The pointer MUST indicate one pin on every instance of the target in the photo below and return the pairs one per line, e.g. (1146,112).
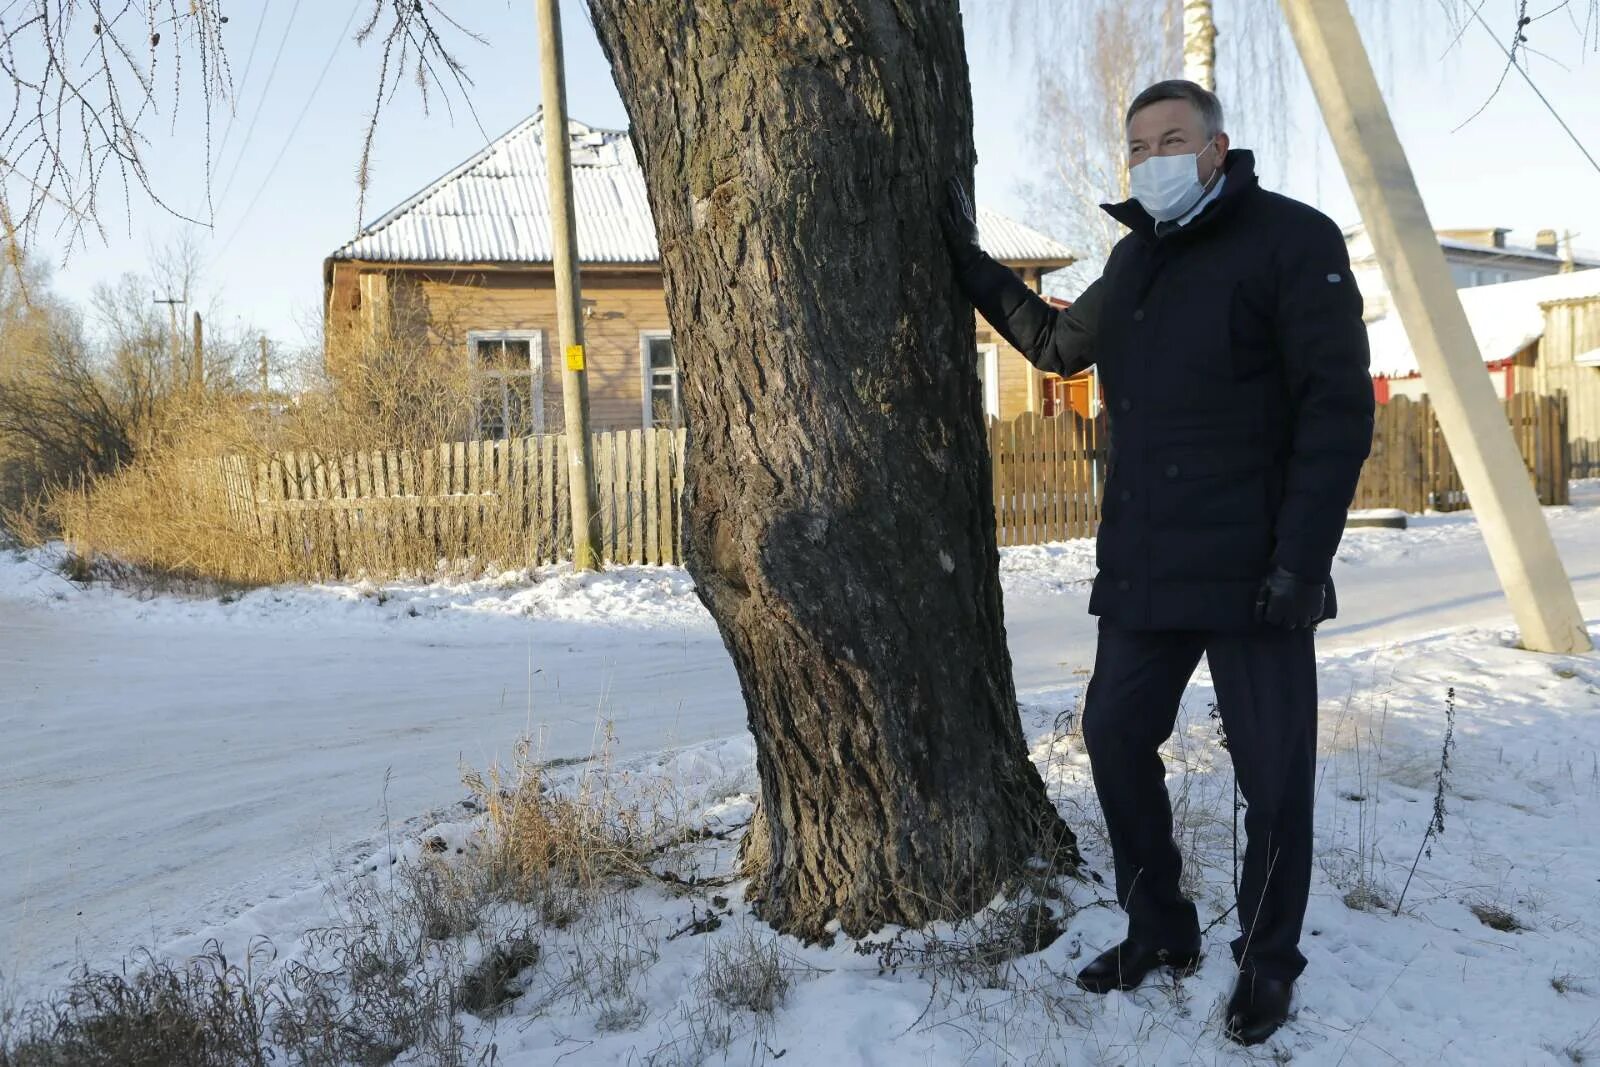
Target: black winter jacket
(1234,361)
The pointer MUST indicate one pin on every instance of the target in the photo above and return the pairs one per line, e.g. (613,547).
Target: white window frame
(988,355)
(646,378)
(536,365)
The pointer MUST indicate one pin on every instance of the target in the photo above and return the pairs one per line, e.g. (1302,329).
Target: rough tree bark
(838,519)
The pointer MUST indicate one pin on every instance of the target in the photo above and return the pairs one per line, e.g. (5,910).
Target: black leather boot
(1126,965)
(1259,1006)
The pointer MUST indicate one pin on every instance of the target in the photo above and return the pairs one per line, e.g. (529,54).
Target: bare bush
(745,980)
(557,853)
(205,1012)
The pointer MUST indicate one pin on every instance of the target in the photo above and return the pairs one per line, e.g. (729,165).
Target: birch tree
(1200,43)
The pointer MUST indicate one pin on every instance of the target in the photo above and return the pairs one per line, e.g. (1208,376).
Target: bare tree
(89,78)
(1090,67)
(839,524)
(1200,43)
(1078,127)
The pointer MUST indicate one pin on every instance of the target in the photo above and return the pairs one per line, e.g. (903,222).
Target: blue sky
(284,190)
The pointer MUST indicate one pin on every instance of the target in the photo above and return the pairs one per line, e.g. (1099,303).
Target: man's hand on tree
(1289,601)
(959,222)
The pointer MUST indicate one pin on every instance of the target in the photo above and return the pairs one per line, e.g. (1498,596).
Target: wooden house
(465,263)
(1475,257)
(1538,336)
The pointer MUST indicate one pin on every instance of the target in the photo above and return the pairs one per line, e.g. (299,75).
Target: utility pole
(263,367)
(1474,424)
(197,369)
(174,356)
(563,226)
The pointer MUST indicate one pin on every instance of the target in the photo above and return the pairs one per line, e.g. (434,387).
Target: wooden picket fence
(1049,472)
(1047,475)
(1411,467)
(508,501)
(1585,458)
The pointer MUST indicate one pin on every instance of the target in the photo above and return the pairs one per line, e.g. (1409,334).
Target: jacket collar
(1240,167)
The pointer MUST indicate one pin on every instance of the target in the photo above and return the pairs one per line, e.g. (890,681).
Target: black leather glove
(959,222)
(1289,601)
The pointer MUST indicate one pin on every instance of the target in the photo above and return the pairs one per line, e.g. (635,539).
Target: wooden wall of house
(1019,388)
(1571,327)
(455,302)
(1021,383)
(625,305)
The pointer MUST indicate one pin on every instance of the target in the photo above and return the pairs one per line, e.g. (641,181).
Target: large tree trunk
(839,523)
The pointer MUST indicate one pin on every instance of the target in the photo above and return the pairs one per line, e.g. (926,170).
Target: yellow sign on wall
(574,357)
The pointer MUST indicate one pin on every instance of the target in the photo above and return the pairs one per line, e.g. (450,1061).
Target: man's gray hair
(1204,101)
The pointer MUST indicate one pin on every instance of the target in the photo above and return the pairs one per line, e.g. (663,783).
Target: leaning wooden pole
(1473,421)
(563,232)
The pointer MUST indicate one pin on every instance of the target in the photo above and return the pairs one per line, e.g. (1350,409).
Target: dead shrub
(1496,917)
(350,478)
(487,987)
(389,977)
(64,420)
(746,973)
(182,512)
(980,952)
(202,1013)
(746,979)
(557,853)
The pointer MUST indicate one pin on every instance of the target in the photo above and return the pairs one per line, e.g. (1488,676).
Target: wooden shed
(466,263)
(1540,336)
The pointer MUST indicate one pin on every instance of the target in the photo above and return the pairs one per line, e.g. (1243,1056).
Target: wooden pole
(173,372)
(263,365)
(1473,421)
(197,368)
(569,295)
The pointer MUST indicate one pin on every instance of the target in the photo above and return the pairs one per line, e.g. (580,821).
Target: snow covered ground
(178,769)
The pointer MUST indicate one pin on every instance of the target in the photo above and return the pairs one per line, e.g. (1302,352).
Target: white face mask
(1168,186)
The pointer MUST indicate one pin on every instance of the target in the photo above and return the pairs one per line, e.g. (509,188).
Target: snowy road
(165,760)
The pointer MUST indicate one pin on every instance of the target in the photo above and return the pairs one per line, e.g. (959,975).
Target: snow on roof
(1505,319)
(495,208)
(1356,236)
(1590,358)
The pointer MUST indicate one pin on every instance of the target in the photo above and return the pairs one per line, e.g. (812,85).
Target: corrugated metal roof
(1010,241)
(495,208)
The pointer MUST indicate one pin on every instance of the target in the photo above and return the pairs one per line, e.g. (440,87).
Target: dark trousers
(1266,685)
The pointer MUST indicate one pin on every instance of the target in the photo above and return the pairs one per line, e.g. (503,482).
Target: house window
(508,384)
(663,405)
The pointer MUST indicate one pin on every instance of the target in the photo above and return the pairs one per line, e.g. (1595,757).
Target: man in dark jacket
(1228,335)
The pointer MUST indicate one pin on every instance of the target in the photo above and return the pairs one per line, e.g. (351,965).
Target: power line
(1512,61)
(244,79)
(294,129)
(250,131)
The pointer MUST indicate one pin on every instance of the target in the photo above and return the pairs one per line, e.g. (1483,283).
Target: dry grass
(184,503)
(745,980)
(558,853)
(1496,917)
(208,1011)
